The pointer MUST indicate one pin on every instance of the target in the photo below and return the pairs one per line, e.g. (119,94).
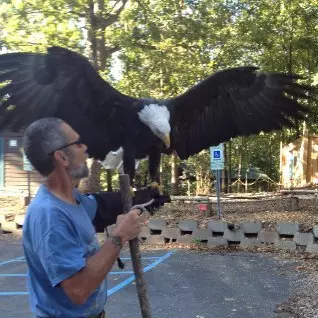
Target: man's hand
(128,225)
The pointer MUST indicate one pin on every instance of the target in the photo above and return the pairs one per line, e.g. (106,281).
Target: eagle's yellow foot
(156,185)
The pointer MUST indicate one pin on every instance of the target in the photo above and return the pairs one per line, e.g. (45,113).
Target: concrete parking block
(171,233)
(268,237)
(233,236)
(312,248)
(285,245)
(217,226)
(19,219)
(110,229)
(304,238)
(250,242)
(217,241)
(145,232)
(157,224)
(251,227)
(188,225)
(287,228)
(155,240)
(186,239)
(9,226)
(202,234)
(2,218)
(315,231)
(101,237)
(17,233)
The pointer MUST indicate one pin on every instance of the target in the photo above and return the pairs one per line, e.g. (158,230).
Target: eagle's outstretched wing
(63,84)
(234,102)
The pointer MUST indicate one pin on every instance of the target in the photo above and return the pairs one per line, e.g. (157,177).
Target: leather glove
(109,205)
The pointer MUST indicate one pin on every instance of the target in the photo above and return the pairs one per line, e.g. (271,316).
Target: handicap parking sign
(217,157)
(217,154)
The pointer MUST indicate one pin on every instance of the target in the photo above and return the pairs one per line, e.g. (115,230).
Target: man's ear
(61,157)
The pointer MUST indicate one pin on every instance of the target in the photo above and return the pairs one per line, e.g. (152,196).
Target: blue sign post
(217,165)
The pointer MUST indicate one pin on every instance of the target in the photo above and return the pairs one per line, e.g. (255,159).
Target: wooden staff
(135,251)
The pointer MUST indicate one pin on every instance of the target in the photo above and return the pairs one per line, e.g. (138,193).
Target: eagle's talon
(157,186)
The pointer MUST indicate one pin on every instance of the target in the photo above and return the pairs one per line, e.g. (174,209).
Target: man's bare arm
(80,286)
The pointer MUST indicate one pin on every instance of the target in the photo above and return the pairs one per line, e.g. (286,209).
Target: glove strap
(142,207)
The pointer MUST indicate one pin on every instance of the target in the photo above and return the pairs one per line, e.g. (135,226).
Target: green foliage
(33,25)
(196,241)
(165,47)
(175,46)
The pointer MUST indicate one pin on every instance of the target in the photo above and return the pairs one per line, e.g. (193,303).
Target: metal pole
(135,251)
(219,212)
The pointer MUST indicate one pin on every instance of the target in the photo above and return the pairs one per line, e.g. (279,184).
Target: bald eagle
(61,83)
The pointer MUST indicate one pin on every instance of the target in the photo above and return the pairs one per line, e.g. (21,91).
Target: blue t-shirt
(58,237)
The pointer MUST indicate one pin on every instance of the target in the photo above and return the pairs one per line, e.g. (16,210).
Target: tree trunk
(92,182)
(239,172)
(225,171)
(160,171)
(246,161)
(97,22)
(109,180)
(174,174)
(229,172)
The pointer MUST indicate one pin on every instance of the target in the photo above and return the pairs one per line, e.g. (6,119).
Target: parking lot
(180,284)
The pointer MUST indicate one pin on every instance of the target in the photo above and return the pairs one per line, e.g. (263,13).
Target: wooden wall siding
(1,163)
(300,162)
(15,177)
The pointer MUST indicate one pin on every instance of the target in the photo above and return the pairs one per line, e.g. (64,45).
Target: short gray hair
(40,139)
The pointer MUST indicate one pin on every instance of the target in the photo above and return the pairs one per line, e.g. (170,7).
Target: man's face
(78,171)
(76,154)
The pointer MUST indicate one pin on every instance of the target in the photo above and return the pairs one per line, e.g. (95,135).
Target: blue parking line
(147,257)
(25,275)
(13,275)
(22,259)
(18,259)
(132,278)
(13,293)
(111,291)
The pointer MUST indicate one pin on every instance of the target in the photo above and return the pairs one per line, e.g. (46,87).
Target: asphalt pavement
(181,284)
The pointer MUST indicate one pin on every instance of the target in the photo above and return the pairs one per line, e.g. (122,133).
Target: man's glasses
(77,142)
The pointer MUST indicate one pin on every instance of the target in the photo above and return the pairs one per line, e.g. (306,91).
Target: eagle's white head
(157,117)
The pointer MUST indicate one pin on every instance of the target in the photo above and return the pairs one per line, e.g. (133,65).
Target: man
(67,269)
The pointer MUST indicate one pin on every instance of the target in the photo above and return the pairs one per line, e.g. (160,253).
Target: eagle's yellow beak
(166,140)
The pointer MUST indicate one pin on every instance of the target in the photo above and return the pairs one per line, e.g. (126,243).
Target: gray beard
(79,172)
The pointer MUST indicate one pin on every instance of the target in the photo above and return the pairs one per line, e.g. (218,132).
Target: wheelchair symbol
(217,154)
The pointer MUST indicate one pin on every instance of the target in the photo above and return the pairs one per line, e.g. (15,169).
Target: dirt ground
(306,216)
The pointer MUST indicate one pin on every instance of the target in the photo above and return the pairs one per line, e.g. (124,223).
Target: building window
(13,143)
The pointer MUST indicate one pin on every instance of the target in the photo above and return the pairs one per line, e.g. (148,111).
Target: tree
(81,25)
(163,48)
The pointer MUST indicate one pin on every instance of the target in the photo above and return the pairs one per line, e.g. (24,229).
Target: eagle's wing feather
(63,84)
(231,103)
